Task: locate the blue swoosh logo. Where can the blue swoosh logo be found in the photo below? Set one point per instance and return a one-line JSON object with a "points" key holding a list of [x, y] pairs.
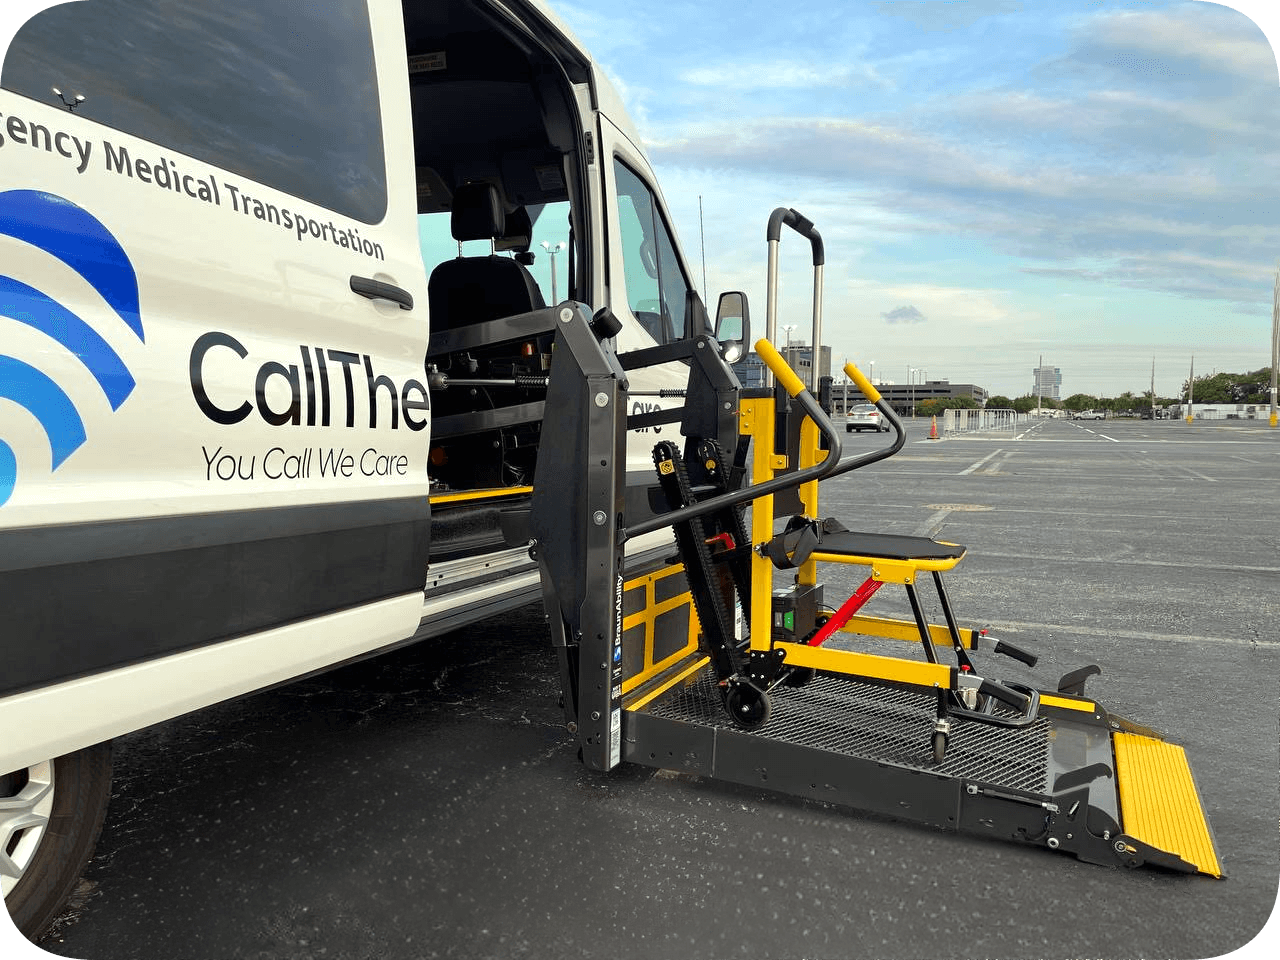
{"points": [[80, 241], [47, 402], [74, 236]]}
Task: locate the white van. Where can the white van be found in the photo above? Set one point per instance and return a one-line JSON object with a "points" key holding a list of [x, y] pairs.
{"points": [[275, 291]]}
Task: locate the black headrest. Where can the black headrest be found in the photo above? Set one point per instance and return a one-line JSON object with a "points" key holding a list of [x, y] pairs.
{"points": [[518, 231], [477, 212]]}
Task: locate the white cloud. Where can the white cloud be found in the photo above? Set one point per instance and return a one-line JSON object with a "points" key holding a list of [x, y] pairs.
{"points": [[738, 76], [930, 15], [1230, 43], [906, 314], [1108, 172]]}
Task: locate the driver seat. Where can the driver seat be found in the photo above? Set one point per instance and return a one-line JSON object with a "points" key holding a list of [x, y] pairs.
{"points": [[470, 290]]}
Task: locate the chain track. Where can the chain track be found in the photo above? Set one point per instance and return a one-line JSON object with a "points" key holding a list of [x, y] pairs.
{"points": [[717, 630]]}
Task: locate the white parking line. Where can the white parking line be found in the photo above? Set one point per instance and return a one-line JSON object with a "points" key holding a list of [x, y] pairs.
{"points": [[1105, 437], [972, 467], [1197, 473], [1029, 429], [1051, 628], [933, 526]]}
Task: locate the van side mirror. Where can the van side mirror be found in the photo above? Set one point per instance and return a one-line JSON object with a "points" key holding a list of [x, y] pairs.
{"points": [[733, 325]]}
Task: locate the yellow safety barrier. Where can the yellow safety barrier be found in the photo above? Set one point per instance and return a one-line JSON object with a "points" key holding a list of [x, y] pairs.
{"points": [[773, 360], [862, 383]]}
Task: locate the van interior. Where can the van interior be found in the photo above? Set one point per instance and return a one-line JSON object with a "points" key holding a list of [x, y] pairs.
{"points": [[498, 181]]}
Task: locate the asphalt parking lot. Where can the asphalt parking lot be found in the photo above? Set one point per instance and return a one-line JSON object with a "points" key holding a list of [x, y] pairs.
{"points": [[429, 804]]}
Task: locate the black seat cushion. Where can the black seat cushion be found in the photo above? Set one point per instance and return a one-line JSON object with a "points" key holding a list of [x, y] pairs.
{"points": [[804, 537], [888, 546], [479, 289]]}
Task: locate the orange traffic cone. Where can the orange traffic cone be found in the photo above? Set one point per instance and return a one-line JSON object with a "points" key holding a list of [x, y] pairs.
{"points": [[933, 428]]}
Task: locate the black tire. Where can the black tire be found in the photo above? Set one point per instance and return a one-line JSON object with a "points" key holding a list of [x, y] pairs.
{"points": [[81, 789], [939, 746], [747, 705]]}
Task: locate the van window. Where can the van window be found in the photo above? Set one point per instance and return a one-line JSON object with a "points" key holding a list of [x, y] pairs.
{"points": [[656, 286], [550, 226], [283, 93]]}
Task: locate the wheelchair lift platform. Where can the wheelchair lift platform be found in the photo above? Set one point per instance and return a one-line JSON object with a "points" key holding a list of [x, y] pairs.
{"points": [[1057, 782], [694, 663]]}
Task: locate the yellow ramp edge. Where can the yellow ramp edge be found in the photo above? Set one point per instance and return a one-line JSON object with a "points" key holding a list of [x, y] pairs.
{"points": [[1159, 803]]}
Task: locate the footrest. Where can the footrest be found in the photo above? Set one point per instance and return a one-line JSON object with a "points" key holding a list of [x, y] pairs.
{"points": [[1073, 681]]}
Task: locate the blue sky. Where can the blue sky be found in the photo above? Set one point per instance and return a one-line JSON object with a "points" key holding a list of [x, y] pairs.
{"points": [[994, 180]]}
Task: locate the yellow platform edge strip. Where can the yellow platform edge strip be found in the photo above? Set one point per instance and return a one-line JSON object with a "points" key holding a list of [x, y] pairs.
{"points": [[658, 691], [1159, 803], [489, 493]]}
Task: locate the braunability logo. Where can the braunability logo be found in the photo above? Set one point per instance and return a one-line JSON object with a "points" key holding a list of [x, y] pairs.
{"points": [[72, 235]]}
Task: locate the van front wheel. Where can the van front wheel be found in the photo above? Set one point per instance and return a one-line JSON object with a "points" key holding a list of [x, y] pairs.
{"points": [[50, 817]]}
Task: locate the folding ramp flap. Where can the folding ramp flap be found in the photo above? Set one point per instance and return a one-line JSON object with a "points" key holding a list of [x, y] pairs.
{"points": [[1159, 803]]}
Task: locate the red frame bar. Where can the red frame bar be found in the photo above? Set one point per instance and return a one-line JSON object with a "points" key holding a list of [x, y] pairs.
{"points": [[847, 610]]}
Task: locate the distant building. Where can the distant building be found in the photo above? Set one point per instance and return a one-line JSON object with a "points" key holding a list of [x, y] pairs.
{"points": [[1048, 382], [750, 370], [905, 397], [799, 357]]}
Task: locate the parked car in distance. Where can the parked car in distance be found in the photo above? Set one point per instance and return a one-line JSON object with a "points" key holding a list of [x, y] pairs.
{"points": [[865, 416], [1089, 415]]}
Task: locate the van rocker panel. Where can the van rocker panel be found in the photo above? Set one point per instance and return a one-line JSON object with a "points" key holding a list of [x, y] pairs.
{"points": [[92, 596]]}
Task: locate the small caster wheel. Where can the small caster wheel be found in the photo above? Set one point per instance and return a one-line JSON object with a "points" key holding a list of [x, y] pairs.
{"points": [[939, 746], [747, 705]]}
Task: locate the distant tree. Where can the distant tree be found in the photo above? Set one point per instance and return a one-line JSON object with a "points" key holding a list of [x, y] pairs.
{"points": [[999, 402], [1024, 404], [1126, 403], [1080, 401], [1251, 387], [934, 406], [931, 407], [1215, 388]]}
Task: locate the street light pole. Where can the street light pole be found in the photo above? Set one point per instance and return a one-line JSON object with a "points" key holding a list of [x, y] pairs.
{"points": [[1191, 391], [555, 298], [1153, 389], [1040, 388], [1275, 341]]}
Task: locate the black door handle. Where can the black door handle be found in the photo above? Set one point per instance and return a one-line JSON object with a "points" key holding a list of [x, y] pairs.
{"points": [[377, 290]]}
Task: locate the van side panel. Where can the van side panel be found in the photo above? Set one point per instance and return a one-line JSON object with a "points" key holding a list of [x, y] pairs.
{"points": [[206, 431], [81, 598]]}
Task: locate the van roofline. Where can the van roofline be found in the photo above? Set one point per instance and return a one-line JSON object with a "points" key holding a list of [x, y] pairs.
{"points": [[605, 94]]}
